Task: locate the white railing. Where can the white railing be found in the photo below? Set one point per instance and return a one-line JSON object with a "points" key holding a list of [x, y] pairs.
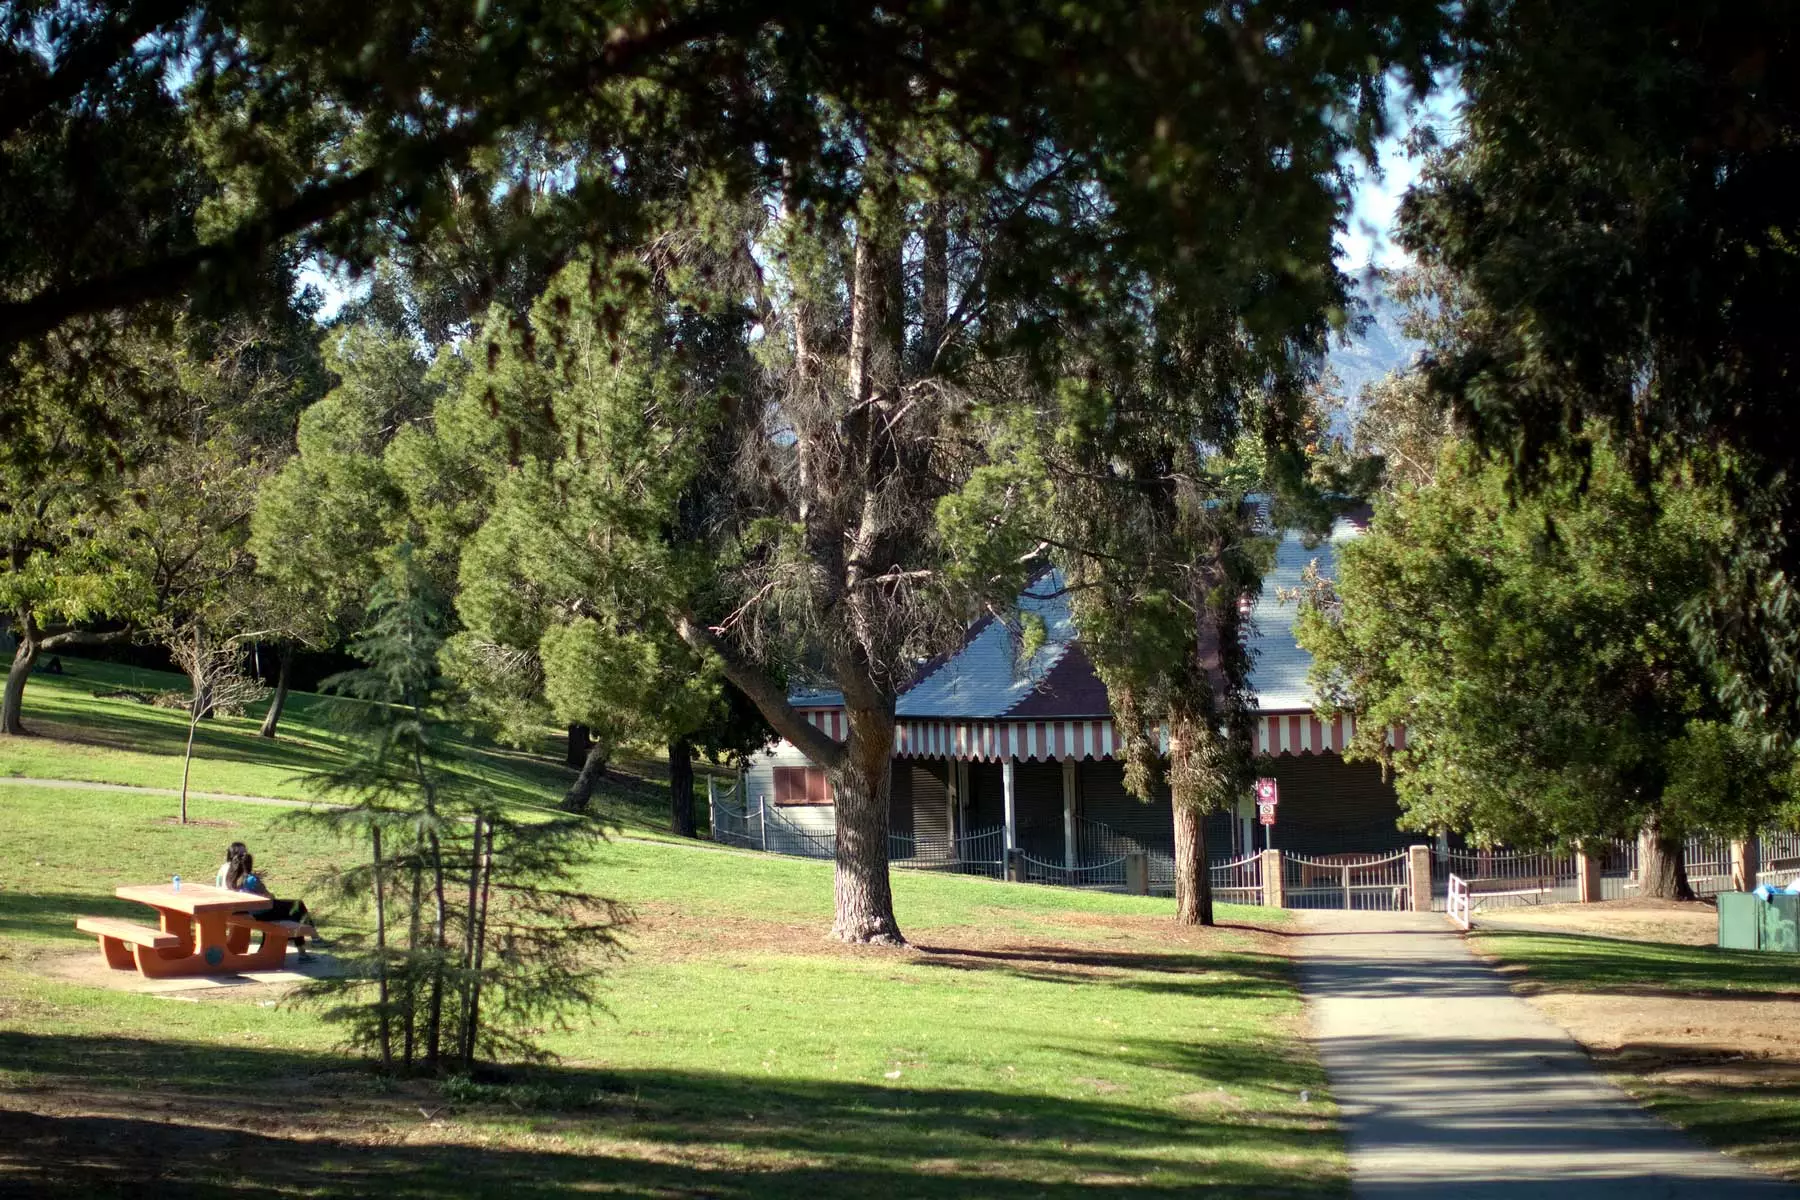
{"points": [[1238, 881], [1458, 903]]}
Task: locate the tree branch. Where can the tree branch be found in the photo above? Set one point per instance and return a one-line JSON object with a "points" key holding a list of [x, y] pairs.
{"points": [[169, 274], [87, 61], [770, 699], [82, 637]]}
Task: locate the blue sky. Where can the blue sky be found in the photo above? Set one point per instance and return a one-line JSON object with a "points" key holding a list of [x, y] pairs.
{"points": [[1376, 198]]}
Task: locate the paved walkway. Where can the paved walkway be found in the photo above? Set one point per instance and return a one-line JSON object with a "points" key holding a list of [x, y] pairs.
{"points": [[1452, 1086]]}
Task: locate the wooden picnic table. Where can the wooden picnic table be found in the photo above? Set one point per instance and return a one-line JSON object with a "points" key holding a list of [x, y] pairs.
{"points": [[203, 931]]}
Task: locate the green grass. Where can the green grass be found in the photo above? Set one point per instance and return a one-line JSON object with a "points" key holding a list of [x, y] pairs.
{"points": [[1040, 1042], [121, 741], [1744, 1112]]}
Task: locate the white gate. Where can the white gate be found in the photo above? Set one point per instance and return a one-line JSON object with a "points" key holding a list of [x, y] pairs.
{"points": [[1362, 882]]}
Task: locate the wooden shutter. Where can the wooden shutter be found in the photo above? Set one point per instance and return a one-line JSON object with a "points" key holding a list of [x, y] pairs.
{"points": [[801, 785]]}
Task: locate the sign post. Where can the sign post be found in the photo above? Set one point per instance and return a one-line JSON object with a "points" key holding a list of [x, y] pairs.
{"points": [[1267, 797]]}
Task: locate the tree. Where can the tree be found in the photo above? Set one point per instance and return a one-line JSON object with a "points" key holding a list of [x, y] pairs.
{"points": [[1533, 651], [216, 673], [481, 934], [1616, 213], [72, 449]]}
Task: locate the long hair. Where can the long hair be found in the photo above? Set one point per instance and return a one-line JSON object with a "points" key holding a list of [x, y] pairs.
{"points": [[238, 864]]}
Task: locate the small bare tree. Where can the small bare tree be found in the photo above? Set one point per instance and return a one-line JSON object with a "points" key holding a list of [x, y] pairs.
{"points": [[220, 684]]}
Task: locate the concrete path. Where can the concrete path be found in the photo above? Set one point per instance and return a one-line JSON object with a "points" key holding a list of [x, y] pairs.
{"points": [[1452, 1086]]}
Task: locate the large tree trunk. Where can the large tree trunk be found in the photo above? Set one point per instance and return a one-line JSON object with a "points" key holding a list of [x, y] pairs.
{"points": [[272, 719], [865, 900], [681, 787], [24, 656], [580, 792], [1193, 870], [580, 742], [1662, 863]]}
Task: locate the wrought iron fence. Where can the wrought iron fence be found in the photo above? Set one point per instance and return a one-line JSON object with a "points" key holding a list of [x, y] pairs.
{"points": [[1238, 881], [1497, 879], [1363, 882], [1708, 861], [980, 853], [737, 825], [1108, 876], [1780, 859]]}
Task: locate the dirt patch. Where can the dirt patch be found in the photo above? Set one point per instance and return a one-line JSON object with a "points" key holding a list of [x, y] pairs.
{"points": [[1684, 1039], [1684, 922], [666, 933], [86, 967]]}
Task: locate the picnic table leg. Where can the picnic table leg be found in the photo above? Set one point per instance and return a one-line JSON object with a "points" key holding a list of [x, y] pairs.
{"points": [[182, 926], [269, 956], [237, 940], [118, 954]]}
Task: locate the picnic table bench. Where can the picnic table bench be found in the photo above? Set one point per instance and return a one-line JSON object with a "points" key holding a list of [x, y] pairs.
{"points": [[202, 931]]}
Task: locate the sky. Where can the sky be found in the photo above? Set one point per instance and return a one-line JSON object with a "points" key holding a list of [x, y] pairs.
{"points": [[1375, 198]]}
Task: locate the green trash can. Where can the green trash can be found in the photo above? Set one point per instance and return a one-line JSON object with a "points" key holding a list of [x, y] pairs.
{"points": [[1781, 923], [1740, 921]]}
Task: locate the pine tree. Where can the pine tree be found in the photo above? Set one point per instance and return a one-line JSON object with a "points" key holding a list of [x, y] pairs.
{"points": [[481, 932]]}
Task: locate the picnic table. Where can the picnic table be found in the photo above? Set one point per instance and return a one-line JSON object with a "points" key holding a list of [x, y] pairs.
{"points": [[203, 931]]}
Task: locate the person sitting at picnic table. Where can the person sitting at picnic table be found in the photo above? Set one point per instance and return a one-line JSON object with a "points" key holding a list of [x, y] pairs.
{"points": [[233, 853], [240, 876]]}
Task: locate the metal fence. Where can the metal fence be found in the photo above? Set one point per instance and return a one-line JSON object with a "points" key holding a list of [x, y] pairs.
{"points": [[1238, 881], [980, 853], [1104, 876], [1708, 865], [1363, 882], [1780, 855], [1497, 879]]}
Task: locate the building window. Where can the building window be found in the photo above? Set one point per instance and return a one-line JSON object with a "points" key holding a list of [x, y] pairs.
{"points": [[801, 785]]}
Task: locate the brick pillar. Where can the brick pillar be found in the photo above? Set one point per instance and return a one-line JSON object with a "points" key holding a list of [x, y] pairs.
{"points": [[1137, 873], [1746, 864], [1418, 867], [1587, 876], [1272, 897]]}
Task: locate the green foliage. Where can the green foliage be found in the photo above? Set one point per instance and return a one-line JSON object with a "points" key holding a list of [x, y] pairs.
{"points": [[1615, 214], [481, 935], [567, 582], [1533, 650]]}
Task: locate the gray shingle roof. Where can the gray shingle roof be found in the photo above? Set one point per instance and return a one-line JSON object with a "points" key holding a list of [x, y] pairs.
{"points": [[985, 680], [1279, 665]]}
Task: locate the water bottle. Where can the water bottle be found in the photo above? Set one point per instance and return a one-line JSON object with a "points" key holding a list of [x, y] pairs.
{"points": [[175, 884]]}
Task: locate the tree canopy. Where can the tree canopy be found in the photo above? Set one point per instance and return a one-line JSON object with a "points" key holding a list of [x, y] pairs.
{"points": [[1533, 652]]}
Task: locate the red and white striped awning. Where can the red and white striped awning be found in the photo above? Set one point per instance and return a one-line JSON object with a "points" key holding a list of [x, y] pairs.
{"points": [[987, 741]]}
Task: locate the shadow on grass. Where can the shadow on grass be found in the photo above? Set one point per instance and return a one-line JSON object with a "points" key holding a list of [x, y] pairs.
{"points": [[122, 1116], [53, 914], [1576, 963], [1239, 975]]}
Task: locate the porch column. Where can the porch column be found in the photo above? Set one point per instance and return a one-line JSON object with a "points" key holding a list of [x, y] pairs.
{"points": [[1012, 825], [1068, 772], [950, 803]]}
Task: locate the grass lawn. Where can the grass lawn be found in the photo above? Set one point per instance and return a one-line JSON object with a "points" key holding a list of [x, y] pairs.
{"points": [[119, 740], [1036, 1042], [1707, 1038]]}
